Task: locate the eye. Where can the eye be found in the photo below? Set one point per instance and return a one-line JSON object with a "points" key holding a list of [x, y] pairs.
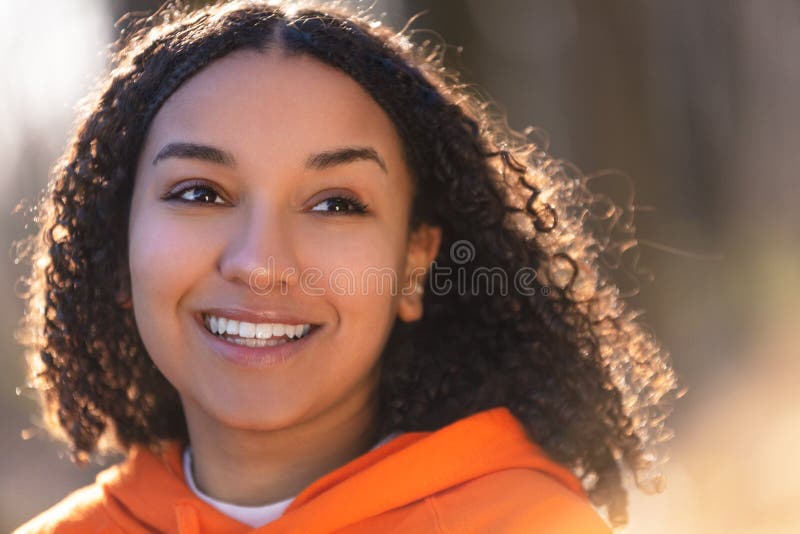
{"points": [[342, 204], [195, 193]]}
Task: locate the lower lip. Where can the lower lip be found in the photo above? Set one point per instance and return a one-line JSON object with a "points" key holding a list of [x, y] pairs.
{"points": [[257, 357]]}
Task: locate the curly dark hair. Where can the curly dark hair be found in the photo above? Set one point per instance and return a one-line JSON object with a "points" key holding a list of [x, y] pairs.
{"points": [[569, 358]]}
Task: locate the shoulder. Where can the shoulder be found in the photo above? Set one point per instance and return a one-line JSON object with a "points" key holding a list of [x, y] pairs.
{"points": [[80, 511], [516, 501]]}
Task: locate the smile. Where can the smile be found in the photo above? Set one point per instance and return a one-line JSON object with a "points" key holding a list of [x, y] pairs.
{"points": [[255, 334]]}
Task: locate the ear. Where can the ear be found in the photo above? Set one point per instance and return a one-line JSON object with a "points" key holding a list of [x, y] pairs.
{"points": [[423, 246]]}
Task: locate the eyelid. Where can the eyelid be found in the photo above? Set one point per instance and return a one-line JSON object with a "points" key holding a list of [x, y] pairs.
{"points": [[358, 207], [176, 190]]}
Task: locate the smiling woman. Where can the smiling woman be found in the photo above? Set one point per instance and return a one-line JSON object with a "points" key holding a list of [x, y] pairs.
{"points": [[273, 184], [187, 305]]}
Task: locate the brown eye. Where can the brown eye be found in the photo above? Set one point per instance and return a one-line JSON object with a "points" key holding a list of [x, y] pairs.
{"points": [[341, 204], [195, 193]]}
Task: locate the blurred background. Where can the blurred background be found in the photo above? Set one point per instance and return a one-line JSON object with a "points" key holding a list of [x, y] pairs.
{"points": [[696, 102]]}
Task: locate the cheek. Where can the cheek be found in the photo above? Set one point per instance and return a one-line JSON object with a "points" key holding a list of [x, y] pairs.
{"points": [[359, 273], [165, 262], [356, 262], [164, 259]]}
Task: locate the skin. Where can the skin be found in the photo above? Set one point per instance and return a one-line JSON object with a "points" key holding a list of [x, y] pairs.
{"points": [[260, 435]]}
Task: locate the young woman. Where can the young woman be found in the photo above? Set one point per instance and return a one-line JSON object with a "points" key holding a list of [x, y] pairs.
{"points": [[297, 274]]}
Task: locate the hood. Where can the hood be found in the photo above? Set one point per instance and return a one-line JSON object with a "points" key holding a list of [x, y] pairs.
{"points": [[151, 489]]}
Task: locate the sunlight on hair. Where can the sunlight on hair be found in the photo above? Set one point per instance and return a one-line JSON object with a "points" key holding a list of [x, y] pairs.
{"points": [[54, 63]]}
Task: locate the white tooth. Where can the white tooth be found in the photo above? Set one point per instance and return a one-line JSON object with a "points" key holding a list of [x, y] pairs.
{"points": [[250, 342], [212, 324], [222, 324], [232, 327], [291, 331], [278, 329], [306, 328], [263, 331], [247, 329]]}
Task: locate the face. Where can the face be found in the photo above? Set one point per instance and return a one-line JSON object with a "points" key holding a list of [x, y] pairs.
{"points": [[247, 204]]}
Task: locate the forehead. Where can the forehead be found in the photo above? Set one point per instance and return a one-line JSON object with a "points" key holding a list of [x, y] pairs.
{"points": [[276, 106]]}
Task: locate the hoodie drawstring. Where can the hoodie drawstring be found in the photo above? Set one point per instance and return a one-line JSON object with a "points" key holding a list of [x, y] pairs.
{"points": [[186, 515]]}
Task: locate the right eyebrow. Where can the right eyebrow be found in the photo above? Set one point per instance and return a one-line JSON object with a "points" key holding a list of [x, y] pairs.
{"points": [[195, 151]]}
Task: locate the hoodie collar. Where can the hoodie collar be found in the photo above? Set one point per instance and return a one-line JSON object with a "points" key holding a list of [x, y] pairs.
{"points": [[414, 465]]}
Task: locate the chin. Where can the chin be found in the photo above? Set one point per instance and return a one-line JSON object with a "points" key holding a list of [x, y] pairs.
{"points": [[262, 415]]}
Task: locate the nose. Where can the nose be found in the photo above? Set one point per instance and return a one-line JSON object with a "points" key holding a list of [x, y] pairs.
{"points": [[260, 254]]}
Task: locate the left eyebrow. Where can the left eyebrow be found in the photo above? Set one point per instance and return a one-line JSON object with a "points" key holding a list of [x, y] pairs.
{"points": [[343, 155]]}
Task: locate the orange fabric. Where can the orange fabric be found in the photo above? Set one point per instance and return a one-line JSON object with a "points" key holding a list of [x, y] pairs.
{"points": [[478, 475]]}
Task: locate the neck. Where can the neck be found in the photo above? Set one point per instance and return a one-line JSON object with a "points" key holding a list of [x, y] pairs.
{"points": [[252, 468]]}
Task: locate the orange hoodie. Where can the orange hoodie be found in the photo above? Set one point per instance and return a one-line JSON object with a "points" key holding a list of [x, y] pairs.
{"points": [[477, 475]]}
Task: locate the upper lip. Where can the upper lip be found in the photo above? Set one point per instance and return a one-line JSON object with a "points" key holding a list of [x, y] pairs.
{"points": [[257, 316]]}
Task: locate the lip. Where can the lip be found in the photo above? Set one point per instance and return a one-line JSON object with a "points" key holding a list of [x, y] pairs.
{"points": [[256, 357]]}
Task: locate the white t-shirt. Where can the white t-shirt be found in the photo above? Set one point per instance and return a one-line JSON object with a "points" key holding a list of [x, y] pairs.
{"points": [[255, 516]]}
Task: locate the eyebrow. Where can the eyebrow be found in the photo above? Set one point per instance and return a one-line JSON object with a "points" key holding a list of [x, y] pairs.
{"points": [[318, 161], [195, 151], [340, 156]]}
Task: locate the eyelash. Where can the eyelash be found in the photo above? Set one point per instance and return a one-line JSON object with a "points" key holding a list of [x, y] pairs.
{"points": [[175, 195], [358, 207]]}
